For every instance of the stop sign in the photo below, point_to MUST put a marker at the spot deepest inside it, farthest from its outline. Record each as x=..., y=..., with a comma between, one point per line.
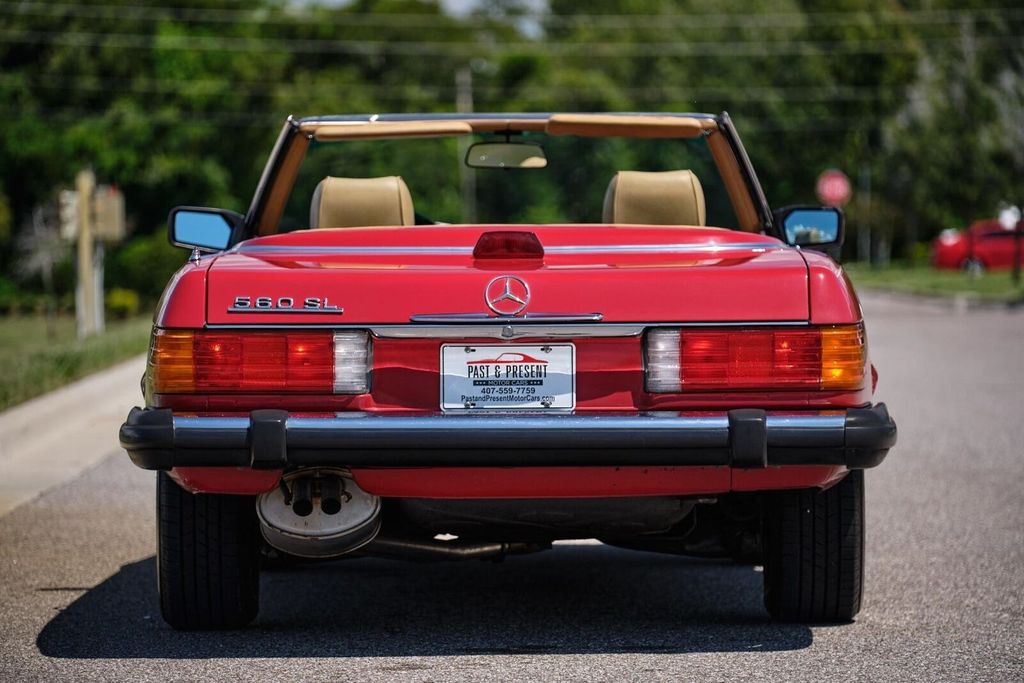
x=833, y=188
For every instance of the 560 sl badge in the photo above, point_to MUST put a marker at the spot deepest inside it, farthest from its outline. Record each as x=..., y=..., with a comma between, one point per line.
x=283, y=304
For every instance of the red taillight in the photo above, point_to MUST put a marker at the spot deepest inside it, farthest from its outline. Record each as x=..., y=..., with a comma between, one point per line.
x=508, y=245
x=749, y=360
x=248, y=362
x=293, y=362
x=780, y=358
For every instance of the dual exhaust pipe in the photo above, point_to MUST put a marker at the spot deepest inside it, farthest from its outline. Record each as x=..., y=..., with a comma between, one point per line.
x=305, y=491
x=323, y=513
x=318, y=513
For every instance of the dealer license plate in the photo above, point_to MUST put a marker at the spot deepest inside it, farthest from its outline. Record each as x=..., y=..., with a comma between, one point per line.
x=506, y=377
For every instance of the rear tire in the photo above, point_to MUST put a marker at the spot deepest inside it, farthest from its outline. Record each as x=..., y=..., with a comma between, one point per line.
x=814, y=552
x=208, y=557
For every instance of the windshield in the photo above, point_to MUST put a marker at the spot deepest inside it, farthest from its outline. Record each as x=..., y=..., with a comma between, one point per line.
x=570, y=188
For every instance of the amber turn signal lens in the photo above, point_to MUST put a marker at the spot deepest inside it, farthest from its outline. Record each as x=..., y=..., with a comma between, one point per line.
x=170, y=362
x=843, y=357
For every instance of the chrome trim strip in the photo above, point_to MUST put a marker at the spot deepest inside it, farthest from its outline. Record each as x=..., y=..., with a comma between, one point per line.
x=507, y=331
x=659, y=248
x=200, y=423
x=501, y=329
x=489, y=431
x=484, y=419
x=827, y=420
x=837, y=421
x=313, y=250
x=529, y=318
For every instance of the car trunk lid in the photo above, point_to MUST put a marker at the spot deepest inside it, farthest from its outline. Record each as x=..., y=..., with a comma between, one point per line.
x=642, y=274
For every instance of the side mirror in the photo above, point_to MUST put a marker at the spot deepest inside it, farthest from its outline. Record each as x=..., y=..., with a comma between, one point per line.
x=201, y=228
x=806, y=226
x=506, y=155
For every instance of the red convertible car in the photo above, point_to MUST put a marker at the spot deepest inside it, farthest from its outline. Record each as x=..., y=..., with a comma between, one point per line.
x=470, y=336
x=985, y=245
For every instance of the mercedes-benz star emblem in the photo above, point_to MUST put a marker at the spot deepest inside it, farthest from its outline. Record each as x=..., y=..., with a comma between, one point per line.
x=507, y=295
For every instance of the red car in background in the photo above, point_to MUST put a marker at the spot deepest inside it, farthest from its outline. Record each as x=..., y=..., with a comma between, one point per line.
x=986, y=245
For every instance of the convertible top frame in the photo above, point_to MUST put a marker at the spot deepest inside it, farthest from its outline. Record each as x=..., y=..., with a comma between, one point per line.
x=282, y=167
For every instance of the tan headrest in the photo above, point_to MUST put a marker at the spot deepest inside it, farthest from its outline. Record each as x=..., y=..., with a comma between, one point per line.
x=659, y=198
x=360, y=202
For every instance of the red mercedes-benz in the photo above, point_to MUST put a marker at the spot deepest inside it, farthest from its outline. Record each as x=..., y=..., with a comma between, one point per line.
x=985, y=245
x=470, y=336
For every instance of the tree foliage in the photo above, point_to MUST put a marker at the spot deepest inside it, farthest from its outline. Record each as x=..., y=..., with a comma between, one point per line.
x=179, y=103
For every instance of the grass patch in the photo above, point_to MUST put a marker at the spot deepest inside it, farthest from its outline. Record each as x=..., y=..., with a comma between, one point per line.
x=991, y=286
x=33, y=361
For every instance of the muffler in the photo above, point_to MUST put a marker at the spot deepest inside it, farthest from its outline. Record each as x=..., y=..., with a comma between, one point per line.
x=317, y=513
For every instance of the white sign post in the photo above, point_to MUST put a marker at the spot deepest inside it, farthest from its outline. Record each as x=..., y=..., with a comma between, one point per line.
x=89, y=311
x=93, y=215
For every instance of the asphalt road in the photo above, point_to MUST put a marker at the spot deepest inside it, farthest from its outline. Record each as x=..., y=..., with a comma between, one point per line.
x=945, y=570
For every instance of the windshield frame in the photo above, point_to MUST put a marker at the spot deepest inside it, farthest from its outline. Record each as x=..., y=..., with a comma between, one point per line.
x=282, y=168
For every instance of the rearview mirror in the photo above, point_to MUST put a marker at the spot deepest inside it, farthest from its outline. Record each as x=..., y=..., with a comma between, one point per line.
x=202, y=228
x=805, y=226
x=506, y=155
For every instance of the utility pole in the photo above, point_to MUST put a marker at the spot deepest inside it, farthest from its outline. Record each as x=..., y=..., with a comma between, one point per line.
x=864, y=220
x=1018, y=231
x=89, y=311
x=467, y=176
x=1011, y=218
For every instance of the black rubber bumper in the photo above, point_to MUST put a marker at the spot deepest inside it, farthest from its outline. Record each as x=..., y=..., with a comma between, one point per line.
x=857, y=438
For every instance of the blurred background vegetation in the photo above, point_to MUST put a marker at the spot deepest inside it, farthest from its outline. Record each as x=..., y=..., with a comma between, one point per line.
x=920, y=102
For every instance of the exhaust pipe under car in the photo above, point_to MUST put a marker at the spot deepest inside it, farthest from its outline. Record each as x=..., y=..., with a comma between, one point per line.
x=435, y=550
x=302, y=496
x=318, y=513
x=331, y=491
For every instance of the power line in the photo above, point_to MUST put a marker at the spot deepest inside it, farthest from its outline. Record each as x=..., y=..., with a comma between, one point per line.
x=265, y=119
x=424, y=20
x=268, y=120
x=731, y=49
x=270, y=89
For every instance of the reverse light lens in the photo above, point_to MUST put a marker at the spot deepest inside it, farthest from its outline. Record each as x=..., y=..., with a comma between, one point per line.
x=663, y=364
x=351, y=362
x=760, y=359
x=255, y=362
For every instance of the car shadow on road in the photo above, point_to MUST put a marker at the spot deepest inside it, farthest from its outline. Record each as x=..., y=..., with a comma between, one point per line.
x=575, y=599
